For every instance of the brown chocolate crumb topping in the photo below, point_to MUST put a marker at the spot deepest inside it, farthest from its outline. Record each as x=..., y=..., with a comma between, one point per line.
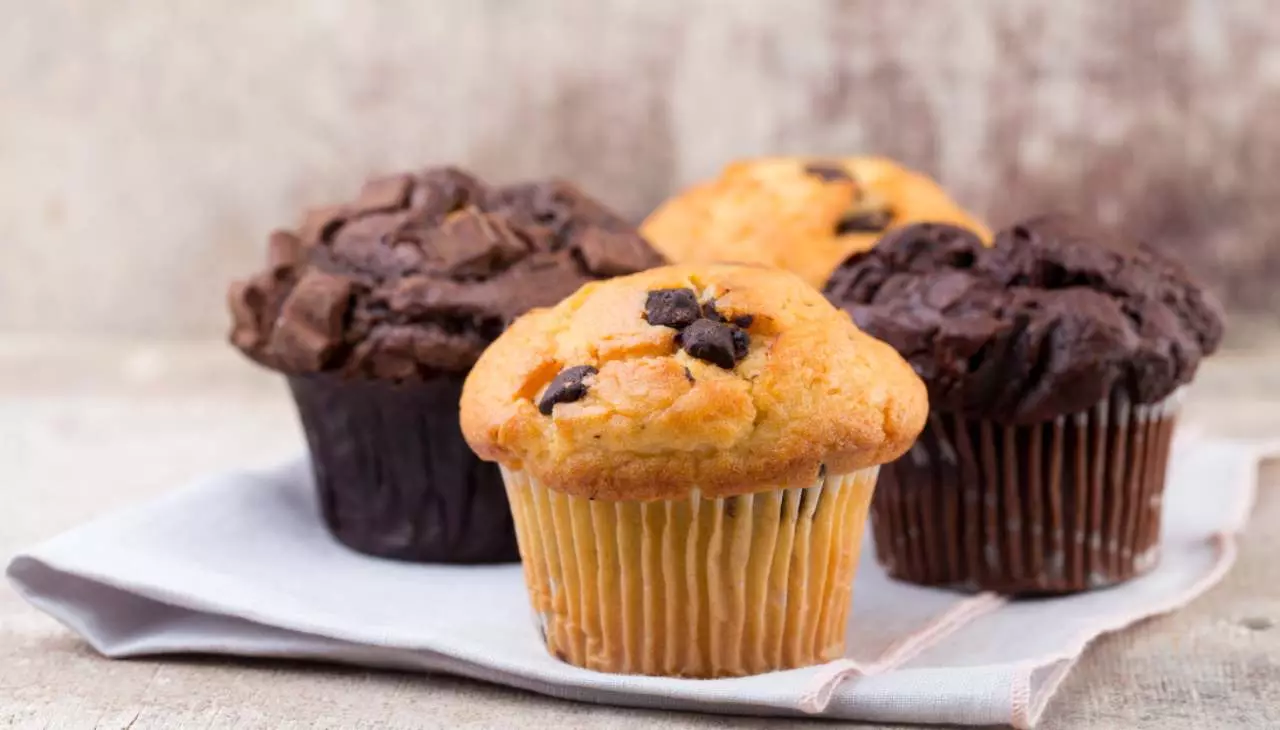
x=420, y=272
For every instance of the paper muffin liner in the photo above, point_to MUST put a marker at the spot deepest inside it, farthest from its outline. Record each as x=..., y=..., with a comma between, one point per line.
x=1062, y=506
x=693, y=587
x=394, y=475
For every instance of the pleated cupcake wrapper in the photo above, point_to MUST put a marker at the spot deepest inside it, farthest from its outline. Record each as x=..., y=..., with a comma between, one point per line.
x=395, y=476
x=1067, y=505
x=693, y=587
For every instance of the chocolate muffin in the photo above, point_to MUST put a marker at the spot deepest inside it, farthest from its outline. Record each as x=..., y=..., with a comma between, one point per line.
x=376, y=310
x=1054, y=360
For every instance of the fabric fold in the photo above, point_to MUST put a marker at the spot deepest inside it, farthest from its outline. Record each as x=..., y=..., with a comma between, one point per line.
x=240, y=564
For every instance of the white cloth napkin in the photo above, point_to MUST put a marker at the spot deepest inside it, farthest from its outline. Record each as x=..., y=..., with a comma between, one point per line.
x=240, y=564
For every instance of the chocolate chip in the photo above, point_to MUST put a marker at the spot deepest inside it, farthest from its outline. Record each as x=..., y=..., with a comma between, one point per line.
x=709, y=341
x=688, y=375
x=741, y=344
x=676, y=308
x=828, y=172
x=744, y=320
x=864, y=221
x=567, y=387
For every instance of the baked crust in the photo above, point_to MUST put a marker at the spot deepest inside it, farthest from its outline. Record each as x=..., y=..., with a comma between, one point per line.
x=772, y=211
x=655, y=422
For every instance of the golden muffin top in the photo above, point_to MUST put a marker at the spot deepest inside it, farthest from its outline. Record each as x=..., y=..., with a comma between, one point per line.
x=805, y=215
x=727, y=379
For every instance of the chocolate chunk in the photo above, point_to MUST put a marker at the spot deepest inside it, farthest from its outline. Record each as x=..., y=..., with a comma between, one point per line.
x=567, y=387
x=676, y=308
x=612, y=253
x=828, y=172
x=283, y=250
x=472, y=244
x=384, y=193
x=246, y=300
x=440, y=191
x=741, y=343
x=311, y=321
x=864, y=221
x=688, y=375
x=744, y=320
x=710, y=341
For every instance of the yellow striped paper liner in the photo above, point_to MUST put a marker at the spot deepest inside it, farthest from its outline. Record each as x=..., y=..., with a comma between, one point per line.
x=693, y=587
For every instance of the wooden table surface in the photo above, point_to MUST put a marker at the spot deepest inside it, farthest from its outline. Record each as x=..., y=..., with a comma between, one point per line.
x=86, y=429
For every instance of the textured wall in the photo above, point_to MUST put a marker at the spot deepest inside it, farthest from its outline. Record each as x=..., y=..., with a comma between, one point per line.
x=147, y=147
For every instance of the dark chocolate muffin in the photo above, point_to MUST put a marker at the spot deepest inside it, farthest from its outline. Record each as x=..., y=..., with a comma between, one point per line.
x=1053, y=361
x=377, y=309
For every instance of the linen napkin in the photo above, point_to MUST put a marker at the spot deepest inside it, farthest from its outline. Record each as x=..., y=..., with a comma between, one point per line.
x=240, y=563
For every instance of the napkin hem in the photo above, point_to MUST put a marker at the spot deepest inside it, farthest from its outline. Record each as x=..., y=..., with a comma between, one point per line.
x=899, y=652
x=1029, y=704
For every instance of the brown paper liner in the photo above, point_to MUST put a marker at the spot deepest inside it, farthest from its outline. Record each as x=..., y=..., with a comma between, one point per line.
x=395, y=477
x=695, y=587
x=1063, y=506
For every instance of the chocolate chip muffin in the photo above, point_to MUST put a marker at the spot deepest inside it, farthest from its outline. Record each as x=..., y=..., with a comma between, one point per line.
x=801, y=214
x=377, y=309
x=689, y=453
x=1053, y=361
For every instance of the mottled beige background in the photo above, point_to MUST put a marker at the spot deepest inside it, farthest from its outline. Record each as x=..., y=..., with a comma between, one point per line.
x=147, y=147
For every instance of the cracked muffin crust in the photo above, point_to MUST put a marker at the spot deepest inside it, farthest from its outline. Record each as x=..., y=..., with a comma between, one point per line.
x=805, y=215
x=723, y=379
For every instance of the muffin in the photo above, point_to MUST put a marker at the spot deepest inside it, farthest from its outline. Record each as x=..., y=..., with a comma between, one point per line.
x=1054, y=362
x=689, y=453
x=803, y=215
x=376, y=309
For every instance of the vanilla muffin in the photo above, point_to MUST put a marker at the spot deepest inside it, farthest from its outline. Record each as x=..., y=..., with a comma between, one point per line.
x=689, y=454
x=800, y=214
